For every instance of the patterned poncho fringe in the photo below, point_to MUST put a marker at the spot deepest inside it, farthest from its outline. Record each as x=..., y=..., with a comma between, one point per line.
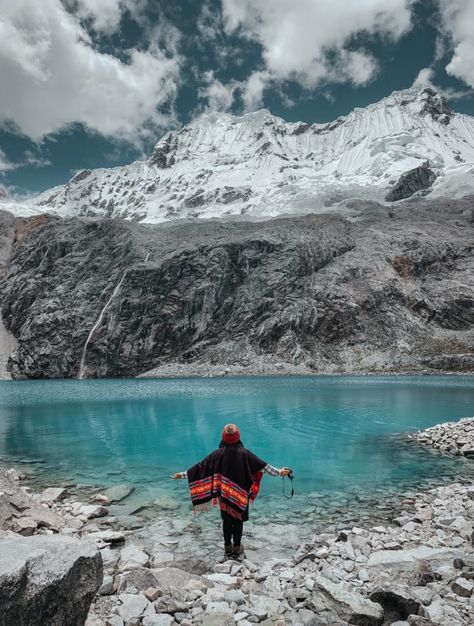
x=230, y=476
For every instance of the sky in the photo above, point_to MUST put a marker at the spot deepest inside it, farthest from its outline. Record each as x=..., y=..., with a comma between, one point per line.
x=95, y=83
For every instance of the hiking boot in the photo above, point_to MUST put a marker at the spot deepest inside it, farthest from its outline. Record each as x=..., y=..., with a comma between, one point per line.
x=228, y=550
x=238, y=552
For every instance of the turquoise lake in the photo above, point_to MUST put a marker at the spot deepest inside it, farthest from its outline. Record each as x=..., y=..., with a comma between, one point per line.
x=343, y=436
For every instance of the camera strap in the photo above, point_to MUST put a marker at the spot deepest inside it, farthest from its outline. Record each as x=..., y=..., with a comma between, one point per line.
x=288, y=497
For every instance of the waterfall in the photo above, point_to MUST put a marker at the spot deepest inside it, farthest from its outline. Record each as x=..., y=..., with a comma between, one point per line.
x=97, y=324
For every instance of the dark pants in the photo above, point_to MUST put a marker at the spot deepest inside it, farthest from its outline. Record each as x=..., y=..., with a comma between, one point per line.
x=232, y=529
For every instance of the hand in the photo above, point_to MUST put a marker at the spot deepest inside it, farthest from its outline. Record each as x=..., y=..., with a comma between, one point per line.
x=176, y=476
x=285, y=471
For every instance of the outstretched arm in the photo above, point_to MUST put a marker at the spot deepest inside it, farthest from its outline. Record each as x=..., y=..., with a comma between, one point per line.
x=179, y=475
x=274, y=471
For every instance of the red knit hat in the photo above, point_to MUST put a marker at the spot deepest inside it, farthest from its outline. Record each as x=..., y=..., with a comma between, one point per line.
x=231, y=434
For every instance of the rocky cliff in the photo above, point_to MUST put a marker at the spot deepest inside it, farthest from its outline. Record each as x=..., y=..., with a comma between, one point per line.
x=391, y=289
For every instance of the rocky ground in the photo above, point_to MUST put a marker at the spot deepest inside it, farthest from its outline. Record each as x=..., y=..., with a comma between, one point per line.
x=387, y=290
x=452, y=438
x=415, y=569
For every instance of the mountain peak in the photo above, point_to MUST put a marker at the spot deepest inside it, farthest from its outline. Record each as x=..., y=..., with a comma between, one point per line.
x=259, y=165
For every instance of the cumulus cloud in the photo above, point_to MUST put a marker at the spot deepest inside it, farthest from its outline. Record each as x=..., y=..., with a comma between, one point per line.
x=52, y=76
x=457, y=18
x=425, y=78
x=254, y=88
x=219, y=96
x=310, y=41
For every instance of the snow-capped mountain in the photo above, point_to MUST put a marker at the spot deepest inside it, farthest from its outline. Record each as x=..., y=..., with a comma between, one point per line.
x=258, y=164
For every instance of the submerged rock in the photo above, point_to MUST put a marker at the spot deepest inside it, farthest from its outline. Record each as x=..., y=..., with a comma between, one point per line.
x=117, y=493
x=47, y=580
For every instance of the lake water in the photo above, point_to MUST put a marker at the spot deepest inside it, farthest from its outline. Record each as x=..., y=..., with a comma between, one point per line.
x=343, y=436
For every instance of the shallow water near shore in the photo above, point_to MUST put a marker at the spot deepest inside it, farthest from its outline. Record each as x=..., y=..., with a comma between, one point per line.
x=343, y=436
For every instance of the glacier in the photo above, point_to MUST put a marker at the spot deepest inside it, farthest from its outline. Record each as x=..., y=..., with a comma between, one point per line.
x=258, y=165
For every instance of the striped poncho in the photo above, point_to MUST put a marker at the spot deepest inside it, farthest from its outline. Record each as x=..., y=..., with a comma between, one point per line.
x=229, y=476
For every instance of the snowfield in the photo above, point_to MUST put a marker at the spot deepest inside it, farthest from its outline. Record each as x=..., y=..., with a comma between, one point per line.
x=259, y=165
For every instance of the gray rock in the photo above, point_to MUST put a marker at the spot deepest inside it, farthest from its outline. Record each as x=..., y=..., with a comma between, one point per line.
x=136, y=580
x=218, y=620
x=132, y=557
x=161, y=619
x=418, y=620
x=219, y=608
x=418, y=179
x=53, y=494
x=132, y=605
x=93, y=510
x=107, y=586
x=462, y=587
x=408, y=559
x=167, y=503
x=334, y=599
x=117, y=493
x=397, y=601
x=47, y=580
x=167, y=577
x=263, y=607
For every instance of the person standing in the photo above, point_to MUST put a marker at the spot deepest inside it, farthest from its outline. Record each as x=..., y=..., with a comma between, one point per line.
x=229, y=476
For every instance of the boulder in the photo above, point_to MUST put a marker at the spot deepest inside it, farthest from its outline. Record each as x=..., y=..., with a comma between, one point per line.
x=407, y=560
x=132, y=557
x=93, y=510
x=398, y=602
x=47, y=580
x=334, y=599
x=53, y=494
x=132, y=606
x=117, y=493
x=136, y=580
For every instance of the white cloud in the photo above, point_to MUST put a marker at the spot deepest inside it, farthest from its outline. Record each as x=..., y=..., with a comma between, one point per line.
x=307, y=40
x=425, y=78
x=106, y=15
x=5, y=164
x=219, y=97
x=254, y=88
x=53, y=77
x=457, y=18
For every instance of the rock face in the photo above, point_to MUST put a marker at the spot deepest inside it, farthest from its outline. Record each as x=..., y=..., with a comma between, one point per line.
x=389, y=290
x=418, y=179
x=47, y=580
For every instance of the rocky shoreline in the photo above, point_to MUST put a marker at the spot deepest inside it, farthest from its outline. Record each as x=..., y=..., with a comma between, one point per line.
x=416, y=569
x=452, y=437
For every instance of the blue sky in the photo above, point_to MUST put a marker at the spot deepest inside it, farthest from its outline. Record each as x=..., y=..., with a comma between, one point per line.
x=94, y=84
